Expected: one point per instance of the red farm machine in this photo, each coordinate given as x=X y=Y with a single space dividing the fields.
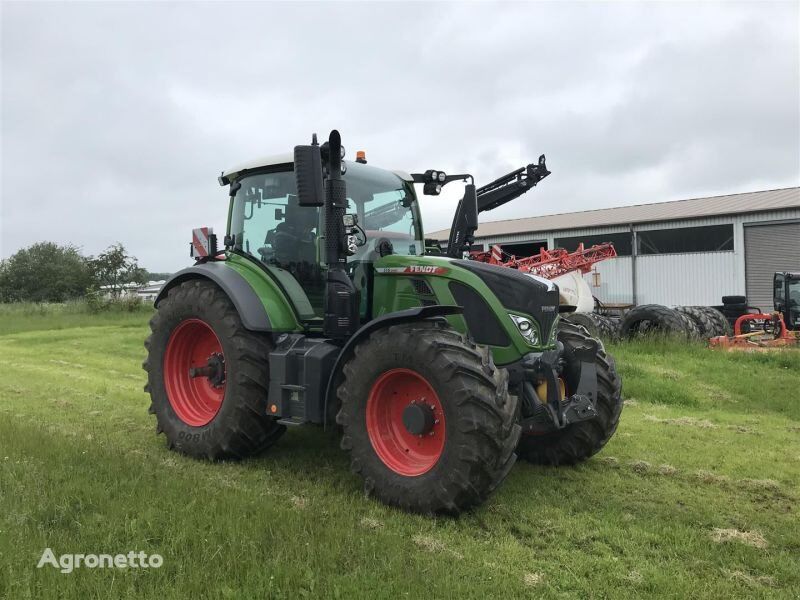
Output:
x=777 y=329
x=550 y=263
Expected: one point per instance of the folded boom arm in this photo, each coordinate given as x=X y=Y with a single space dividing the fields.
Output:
x=490 y=196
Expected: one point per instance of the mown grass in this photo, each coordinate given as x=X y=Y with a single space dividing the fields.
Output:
x=696 y=495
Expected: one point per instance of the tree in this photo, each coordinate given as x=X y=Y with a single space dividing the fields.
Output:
x=44 y=272
x=114 y=268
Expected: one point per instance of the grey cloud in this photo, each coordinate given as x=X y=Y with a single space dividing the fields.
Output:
x=116 y=118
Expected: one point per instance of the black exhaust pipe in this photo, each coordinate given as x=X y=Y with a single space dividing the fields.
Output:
x=341 y=297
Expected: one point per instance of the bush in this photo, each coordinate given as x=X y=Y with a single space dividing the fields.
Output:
x=95 y=302
x=44 y=272
x=132 y=304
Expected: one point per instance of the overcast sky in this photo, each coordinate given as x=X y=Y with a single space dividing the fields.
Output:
x=117 y=118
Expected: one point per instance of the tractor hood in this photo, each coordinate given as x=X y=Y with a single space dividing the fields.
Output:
x=495 y=299
x=517 y=291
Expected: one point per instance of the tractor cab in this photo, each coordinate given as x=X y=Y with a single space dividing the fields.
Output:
x=786 y=296
x=267 y=224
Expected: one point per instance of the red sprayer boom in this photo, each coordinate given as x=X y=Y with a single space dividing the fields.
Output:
x=550 y=263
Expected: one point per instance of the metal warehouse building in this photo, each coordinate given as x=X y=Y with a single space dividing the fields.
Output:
x=684 y=252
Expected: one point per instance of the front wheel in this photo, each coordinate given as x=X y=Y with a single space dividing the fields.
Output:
x=579 y=441
x=427 y=418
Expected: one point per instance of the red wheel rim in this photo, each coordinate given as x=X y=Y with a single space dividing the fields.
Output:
x=402 y=451
x=195 y=399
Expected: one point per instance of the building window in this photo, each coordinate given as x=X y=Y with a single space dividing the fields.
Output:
x=708 y=238
x=621 y=241
x=523 y=248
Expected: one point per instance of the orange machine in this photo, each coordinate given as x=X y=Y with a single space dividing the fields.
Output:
x=770 y=332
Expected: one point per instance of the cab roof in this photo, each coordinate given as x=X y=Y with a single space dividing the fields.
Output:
x=287 y=158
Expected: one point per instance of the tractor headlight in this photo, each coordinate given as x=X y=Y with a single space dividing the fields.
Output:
x=526 y=328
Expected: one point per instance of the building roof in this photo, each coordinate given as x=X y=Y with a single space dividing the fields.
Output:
x=713 y=206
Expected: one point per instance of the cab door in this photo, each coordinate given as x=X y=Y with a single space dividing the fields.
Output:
x=270 y=226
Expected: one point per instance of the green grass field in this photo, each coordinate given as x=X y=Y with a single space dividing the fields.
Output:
x=695 y=496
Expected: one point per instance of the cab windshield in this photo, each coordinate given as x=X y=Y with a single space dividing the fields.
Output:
x=794 y=294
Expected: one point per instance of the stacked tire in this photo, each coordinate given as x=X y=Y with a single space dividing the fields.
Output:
x=685 y=322
x=709 y=321
x=734 y=307
x=653 y=319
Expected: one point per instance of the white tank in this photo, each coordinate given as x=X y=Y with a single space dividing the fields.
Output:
x=575 y=291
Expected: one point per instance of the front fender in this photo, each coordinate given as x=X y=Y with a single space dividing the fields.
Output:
x=394 y=318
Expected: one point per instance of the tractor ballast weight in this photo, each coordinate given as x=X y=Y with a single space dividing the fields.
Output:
x=324 y=306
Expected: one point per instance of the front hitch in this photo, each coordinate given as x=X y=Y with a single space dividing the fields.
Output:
x=552 y=413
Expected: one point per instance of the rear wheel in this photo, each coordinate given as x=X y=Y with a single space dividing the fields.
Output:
x=208 y=377
x=427 y=418
x=579 y=441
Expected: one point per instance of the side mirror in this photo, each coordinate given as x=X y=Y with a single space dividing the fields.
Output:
x=308 y=175
x=470 y=201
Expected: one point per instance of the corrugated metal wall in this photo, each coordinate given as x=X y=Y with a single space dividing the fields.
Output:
x=671 y=279
x=769 y=248
x=685 y=279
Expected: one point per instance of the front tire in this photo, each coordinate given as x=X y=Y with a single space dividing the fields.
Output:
x=223 y=414
x=577 y=442
x=427 y=418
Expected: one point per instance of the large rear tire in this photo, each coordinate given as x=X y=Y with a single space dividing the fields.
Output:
x=221 y=414
x=577 y=442
x=652 y=319
x=427 y=418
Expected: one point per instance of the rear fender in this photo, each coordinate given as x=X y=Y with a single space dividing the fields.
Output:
x=268 y=310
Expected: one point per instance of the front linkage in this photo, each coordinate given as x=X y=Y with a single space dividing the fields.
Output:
x=556 y=410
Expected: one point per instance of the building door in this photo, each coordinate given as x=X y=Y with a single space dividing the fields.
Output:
x=768 y=248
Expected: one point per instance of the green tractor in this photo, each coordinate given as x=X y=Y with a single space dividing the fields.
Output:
x=324 y=308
